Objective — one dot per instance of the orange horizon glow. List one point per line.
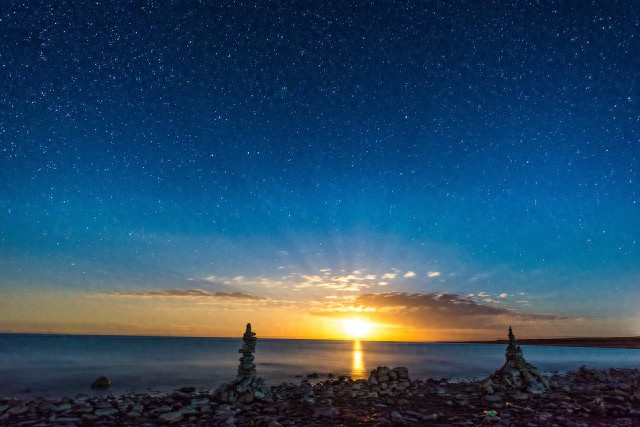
(87, 313)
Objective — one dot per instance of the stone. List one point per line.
(521, 396)
(18, 410)
(493, 398)
(200, 402)
(61, 408)
(160, 409)
(67, 420)
(327, 412)
(89, 417)
(246, 397)
(106, 412)
(101, 382)
(401, 372)
(171, 417)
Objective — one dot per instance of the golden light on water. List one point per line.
(358, 370)
(356, 328)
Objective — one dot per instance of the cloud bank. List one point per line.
(439, 310)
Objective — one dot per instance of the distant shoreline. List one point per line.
(611, 342)
(606, 342)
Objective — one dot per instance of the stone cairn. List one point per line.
(516, 376)
(247, 369)
(247, 386)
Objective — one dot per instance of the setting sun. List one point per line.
(356, 328)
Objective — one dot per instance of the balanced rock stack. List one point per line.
(384, 380)
(247, 386)
(516, 376)
(247, 368)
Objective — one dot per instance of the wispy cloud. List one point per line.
(433, 273)
(193, 293)
(409, 274)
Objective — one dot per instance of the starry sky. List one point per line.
(440, 169)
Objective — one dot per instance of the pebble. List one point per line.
(62, 408)
(105, 412)
(170, 417)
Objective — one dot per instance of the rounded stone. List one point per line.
(101, 382)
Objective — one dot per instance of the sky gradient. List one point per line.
(440, 169)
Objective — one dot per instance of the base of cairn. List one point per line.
(516, 376)
(246, 390)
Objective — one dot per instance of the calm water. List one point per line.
(57, 365)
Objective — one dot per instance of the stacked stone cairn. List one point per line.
(516, 377)
(247, 386)
(384, 381)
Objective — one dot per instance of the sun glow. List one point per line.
(356, 328)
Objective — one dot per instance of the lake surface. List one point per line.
(58, 365)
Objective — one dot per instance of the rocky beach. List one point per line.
(516, 394)
(582, 398)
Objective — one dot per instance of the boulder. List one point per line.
(101, 382)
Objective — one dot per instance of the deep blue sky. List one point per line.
(143, 144)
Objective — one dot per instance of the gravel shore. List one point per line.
(582, 398)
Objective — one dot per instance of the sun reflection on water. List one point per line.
(358, 369)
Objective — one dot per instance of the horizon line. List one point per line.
(497, 340)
